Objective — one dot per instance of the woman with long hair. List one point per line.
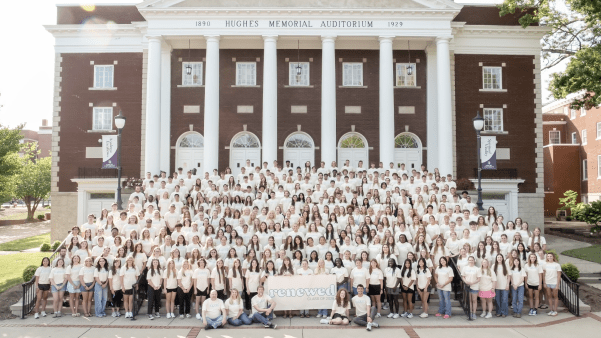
(407, 282)
(58, 285)
(502, 286)
(424, 276)
(101, 274)
(86, 279)
(235, 308)
(184, 289)
(74, 285)
(551, 281)
(218, 279)
(518, 279)
(534, 279)
(443, 276)
(129, 275)
(170, 288)
(376, 285)
(287, 270)
(472, 275)
(486, 288)
(392, 275)
(155, 279)
(116, 300)
(201, 278)
(340, 309)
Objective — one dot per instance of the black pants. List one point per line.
(184, 301)
(154, 300)
(221, 295)
(116, 300)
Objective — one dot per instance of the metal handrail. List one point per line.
(136, 301)
(464, 300)
(29, 291)
(569, 293)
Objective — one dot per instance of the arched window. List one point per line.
(299, 141)
(246, 141)
(192, 141)
(352, 141)
(405, 141)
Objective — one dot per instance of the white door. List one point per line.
(497, 200)
(189, 153)
(298, 149)
(408, 150)
(353, 147)
(244, 146)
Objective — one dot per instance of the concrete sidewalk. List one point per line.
(561, 244)
(17, 231)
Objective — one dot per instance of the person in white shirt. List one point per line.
(304, 271)
(443, 276)
(376, 285)
(340, 309)
(487, 288)
(534, 276)
(472, 275)
(423, 275)
(213, 312)
(262, 308)
(551, 281)
(58, 282)
(235, 310)
(502, 286)
(364, 312)
(518, 278)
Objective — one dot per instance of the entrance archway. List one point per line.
(408, 150)
(298, 149)
(353, 147)
(244, 146)
(189, 152)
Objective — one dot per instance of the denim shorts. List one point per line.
(73, 288)
(474, 292)
(61, 287)
(83, 289)
(552, 286)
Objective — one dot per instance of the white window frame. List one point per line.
(585, 170)
(495, 127)
(253, 79)
(572, 114)
(574, 138)
(102, 127)
(353, 82)
(598, 130)
(188, 80)
(491, 85)
(401, 71)
(104, 85)
(582, 111)
(566, 111)
(558, 136)
(305, 75)
(584, 137)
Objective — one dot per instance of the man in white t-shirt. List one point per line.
(364, 312)
(213, 312)
(262, 308)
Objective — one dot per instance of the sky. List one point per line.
(26, 68)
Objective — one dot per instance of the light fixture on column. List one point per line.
(188, 67)
(299, 69)
(409, 66)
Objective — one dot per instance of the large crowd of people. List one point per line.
(209, 243)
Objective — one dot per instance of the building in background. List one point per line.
(295, 81)
(43, 138)
(572, 152)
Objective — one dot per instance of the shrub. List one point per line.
(41, 217)
(589, 213)
(569, 201)
(45, 247)
(571, 271)
(464, 184)
(29, 272)
(55, 245)
(568, 218)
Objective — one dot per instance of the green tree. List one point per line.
(32, 182)
(569, 201)
(575, 35)
(9, 159)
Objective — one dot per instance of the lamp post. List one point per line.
(119, 123)
(478, 125)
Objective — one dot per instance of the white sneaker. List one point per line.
(36, 315)
(43, 313)
(390, 315)
(368, 326)
(324, 321)
(374, 324)
(318, 316)
(489, 315)
(550, 313)
(168, 315)
(404, 314)
(483, 314)
(188, 316)
(181, 316)
(198, 316)
(158, 315)
(150, 317)
(423, 315)
(395, 316)
(378, 315)
(385, 306)
(410, 315)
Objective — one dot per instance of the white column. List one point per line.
(270, 100)
(386, 101)
(153, 106)
(165, 140)
(445, 120)
(432, 109)
(211, 111)
(328, 100)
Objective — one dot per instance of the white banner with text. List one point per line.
(302, 292)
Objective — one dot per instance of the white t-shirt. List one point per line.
(533, 272)
(212, 308)
(202, 278)
(87, 273)
(471, 274)
(303, 272)
(73, 271)
(44, 274)
(361, 304)
(551, 272)
(186, 277)
(155, 278)
(236, 283)
(130, 276)
(339, 309)
(443, 275)
(340, 273)
(218, 284)
(422, 278)
(260, 302)
(116, 280)
(253, 279)
(232, 307)
(487, 280)
(502, 279)
(376, 276)
(102, 275)
(359, 276)
(517, 277)
(170, 279)
(392, 276)
(405, 280)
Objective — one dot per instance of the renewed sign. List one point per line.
(302, 292)
(488, 152)
(109, 152)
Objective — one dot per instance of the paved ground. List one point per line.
(561, 244)
(12, 232)
(562, 326)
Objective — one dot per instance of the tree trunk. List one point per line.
(30, 210)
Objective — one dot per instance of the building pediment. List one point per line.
(317, 4)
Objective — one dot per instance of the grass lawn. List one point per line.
(23, 215)
(25, 243)
(12, 266)
(591, 253)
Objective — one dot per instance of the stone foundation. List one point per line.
(64, 214)
(531, 209)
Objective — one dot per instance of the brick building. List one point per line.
(43, 138)
(572, 152)
(352, 98)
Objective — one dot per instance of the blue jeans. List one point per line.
(214, 322)
(444, 298)
(518, 299)
(242, 320)
(100, 296)
(501, 297)
(259, 317)
(323, 312)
